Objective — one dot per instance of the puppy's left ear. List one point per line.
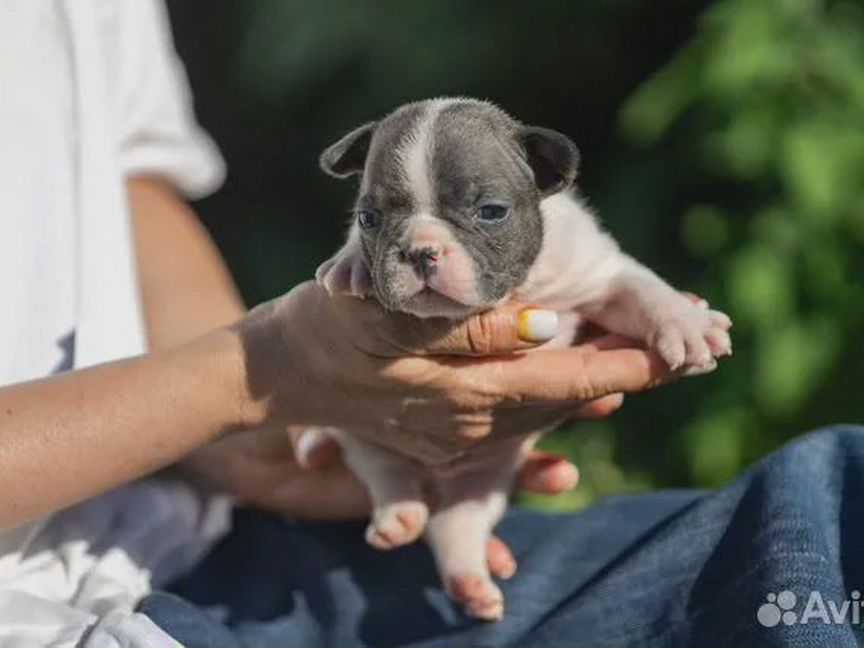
(553, 158)
(348, 156)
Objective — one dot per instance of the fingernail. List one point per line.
(564, 477)
(703, 303)
(507, 570)
(534, 325)
(569, 477)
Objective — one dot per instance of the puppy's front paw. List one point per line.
(691, 336)
(480, 597)
(394, 525)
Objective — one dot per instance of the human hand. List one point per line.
(260, 469)
(429, 389)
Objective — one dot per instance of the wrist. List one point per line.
(270, 384)
(218, 360)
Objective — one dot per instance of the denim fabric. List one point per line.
(663, 569)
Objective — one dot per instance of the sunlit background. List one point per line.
(722, 143)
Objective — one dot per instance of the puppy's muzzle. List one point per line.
(423, 259)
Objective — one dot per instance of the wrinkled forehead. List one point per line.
(444, 152)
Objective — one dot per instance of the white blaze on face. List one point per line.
(415, 155)
(454, 275)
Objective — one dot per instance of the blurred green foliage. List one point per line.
(723, 146)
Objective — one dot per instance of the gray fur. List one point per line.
(479, 155)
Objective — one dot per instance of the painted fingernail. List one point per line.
(703, 303)
(534, 325)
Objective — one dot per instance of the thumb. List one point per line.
(509, 328)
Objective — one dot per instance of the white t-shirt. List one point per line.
(91, 91)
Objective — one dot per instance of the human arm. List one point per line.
(303, 358)
(187, 291)
(74, 435)
(186, 288)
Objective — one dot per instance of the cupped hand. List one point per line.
(260, 469)
(430, 389)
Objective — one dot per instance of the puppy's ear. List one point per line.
(552, 157)
(348, 156)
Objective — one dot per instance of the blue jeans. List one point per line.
(662, 569)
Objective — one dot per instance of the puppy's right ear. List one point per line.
(348, 156)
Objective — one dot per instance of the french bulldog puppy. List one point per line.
(461, 208)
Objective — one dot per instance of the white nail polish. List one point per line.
(702, 303)
(535, 325)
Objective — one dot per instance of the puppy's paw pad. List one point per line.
(396, 525)
(480, 597)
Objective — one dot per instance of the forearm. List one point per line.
(186, 288)
(71, 436)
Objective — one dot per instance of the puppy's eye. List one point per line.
(493, 213)
(368, 218)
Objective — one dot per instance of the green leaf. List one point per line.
(823, 167)
(761, 286)
(652, 109)
(792, 360)
(715, 444)
(705, 230)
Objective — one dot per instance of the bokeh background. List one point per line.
(723, 145)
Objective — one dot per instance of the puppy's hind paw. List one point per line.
(395, 525)
(479, 596)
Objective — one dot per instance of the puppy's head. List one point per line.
(448, 207)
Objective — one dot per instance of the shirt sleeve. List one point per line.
(157, 132)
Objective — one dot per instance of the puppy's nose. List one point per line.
(423, 258)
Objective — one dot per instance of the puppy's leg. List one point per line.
(638, 304)
(472, 504)
(458, 536)
(399, 512)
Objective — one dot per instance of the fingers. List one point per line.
(506, 329)
(330, 494)
(509, 328)
(601, 407)
(575, 374)
(547, 473)
(608, 341)
(500, 558)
